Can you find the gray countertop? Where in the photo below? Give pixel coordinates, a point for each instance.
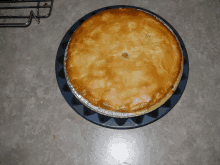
(37, 126)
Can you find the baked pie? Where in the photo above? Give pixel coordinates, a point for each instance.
(124, 60)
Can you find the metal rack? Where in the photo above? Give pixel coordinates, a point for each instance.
(32, 14)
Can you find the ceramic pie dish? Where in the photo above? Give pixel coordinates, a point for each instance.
(118, 119)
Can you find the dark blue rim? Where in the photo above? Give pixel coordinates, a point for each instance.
(112, 122)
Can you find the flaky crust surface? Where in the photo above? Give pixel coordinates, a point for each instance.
(123, 60)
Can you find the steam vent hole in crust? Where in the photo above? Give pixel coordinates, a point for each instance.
(125, 55)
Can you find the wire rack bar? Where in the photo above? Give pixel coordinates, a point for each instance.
(32, 14)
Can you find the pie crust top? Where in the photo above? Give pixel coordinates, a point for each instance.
(123, 60)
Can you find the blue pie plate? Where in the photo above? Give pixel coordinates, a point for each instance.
(113, 122)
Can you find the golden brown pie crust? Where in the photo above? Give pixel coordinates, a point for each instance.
(124, 60)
